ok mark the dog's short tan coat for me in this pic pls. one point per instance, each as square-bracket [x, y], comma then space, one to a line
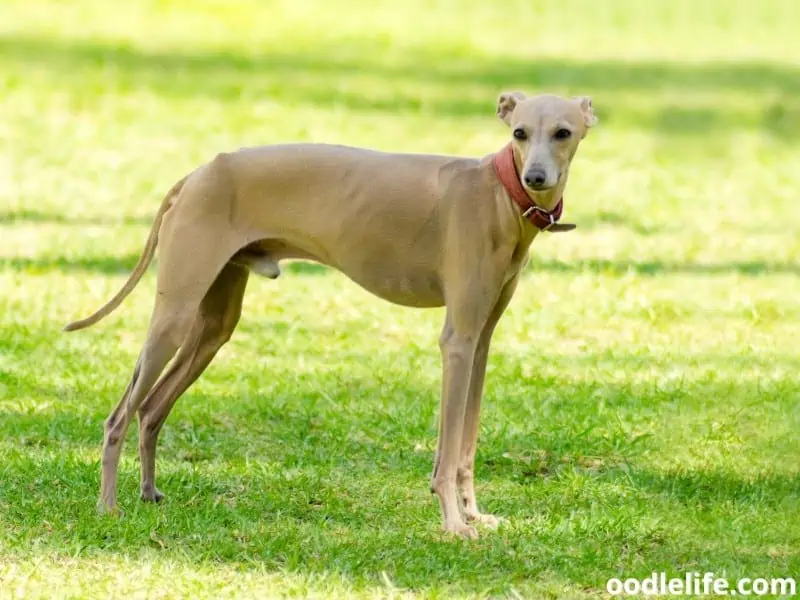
[417, 230]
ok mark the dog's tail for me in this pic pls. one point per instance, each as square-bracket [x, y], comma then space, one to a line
[141, 266]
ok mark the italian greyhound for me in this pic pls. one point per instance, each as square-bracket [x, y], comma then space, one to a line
[416, 230]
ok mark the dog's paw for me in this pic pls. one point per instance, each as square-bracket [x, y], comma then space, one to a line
[111, 510]
[151, 495]
[462, 530]
[486, 520]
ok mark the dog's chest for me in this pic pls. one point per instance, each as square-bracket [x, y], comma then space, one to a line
[515, 265]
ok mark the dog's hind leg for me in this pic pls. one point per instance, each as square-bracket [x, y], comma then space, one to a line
[187, 268]
[162, 342]
[214, 323]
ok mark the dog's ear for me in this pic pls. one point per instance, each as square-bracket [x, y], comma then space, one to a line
[506, 104]
[589, 118]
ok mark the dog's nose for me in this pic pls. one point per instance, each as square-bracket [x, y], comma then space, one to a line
[535, 178]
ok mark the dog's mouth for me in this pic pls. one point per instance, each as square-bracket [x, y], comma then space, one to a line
[540, 187]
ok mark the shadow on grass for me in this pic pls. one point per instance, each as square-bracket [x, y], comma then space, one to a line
[108, 265]
[704, 488]
[468, 84]
[659, 267]
[305, 268]
[116, 265]
[35, 216]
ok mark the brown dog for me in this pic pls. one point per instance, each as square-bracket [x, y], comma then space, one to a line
[417, 230]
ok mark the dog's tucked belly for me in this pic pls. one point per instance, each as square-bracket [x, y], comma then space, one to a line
[419, 289]
[407, 285]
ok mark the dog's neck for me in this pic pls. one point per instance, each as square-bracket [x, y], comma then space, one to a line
[542, 210]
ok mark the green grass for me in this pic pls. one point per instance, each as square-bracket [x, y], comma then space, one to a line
[641, 411]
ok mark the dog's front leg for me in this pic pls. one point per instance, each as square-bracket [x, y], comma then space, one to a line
[466, 466]
[458, 353]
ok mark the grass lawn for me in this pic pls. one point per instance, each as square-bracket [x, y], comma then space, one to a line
[641, 410]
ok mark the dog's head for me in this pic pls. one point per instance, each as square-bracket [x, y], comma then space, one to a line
[545, 132]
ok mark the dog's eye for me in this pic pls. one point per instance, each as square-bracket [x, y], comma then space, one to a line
[519, 133]
[562, 134]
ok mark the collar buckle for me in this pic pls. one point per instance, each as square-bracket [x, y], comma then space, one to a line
[542, 212]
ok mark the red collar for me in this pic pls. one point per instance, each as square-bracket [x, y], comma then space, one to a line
[503, 163]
